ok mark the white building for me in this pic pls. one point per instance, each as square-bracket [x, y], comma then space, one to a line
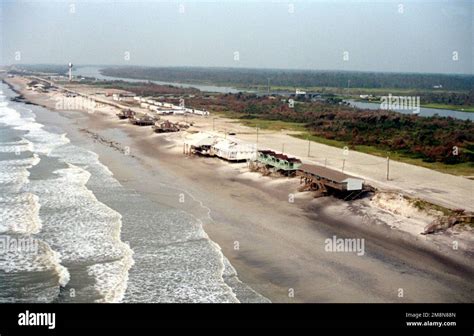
[165, 111]
[195, 111]
[215, 145]
[199, 143]
[232, 150]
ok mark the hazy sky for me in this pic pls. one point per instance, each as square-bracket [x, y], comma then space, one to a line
[407, 36]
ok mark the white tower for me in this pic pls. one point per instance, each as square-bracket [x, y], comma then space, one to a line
[70, 71]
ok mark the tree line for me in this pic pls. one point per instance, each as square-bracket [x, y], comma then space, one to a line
[242, 77]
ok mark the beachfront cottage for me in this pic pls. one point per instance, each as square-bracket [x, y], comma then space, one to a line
[177, 109]
[166, 127]
[231, 150]
[142, 120]
[119, 95]
[326, 180]
[164, 111]
[125, 114]
[278, 161]
[196, 111]
[215, 145]
[198, 143]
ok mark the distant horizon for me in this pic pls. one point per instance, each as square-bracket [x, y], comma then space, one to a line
[369, 36]
[238, 68]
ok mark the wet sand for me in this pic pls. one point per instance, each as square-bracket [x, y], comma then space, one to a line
[276, 246]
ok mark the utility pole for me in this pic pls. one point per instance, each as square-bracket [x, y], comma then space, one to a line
[343, 164]
[70, 71]
[257, 135]
[388, 168]
[309, 146]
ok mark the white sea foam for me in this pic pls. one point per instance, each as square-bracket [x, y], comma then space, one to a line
[19, 213]
[16, 147]
[41, 259]
[43, 142]
[84, 230]
[14, 173]
[19, 208]
[112, 278]
[80, 226]
[77, 229]
[76, 226]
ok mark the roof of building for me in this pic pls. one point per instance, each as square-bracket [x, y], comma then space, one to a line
[200, 139]
[327, 173]
[227, 144]
[118, 91]
[280, 156]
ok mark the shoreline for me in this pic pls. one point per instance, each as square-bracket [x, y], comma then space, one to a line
[272, 253]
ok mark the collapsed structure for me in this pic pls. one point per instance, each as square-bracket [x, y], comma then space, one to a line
[125, 114]
[143, 120]
[166, 127]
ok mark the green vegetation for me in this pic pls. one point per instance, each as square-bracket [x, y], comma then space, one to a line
[450, 107]
[452, 91]
[442, 144]
[427, 206]
[243, 77]
[274, 125]
[301, 132]
[143, 88]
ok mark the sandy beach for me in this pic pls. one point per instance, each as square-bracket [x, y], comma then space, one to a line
[277, 246]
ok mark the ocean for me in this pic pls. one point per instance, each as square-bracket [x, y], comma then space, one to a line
[71, 232]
